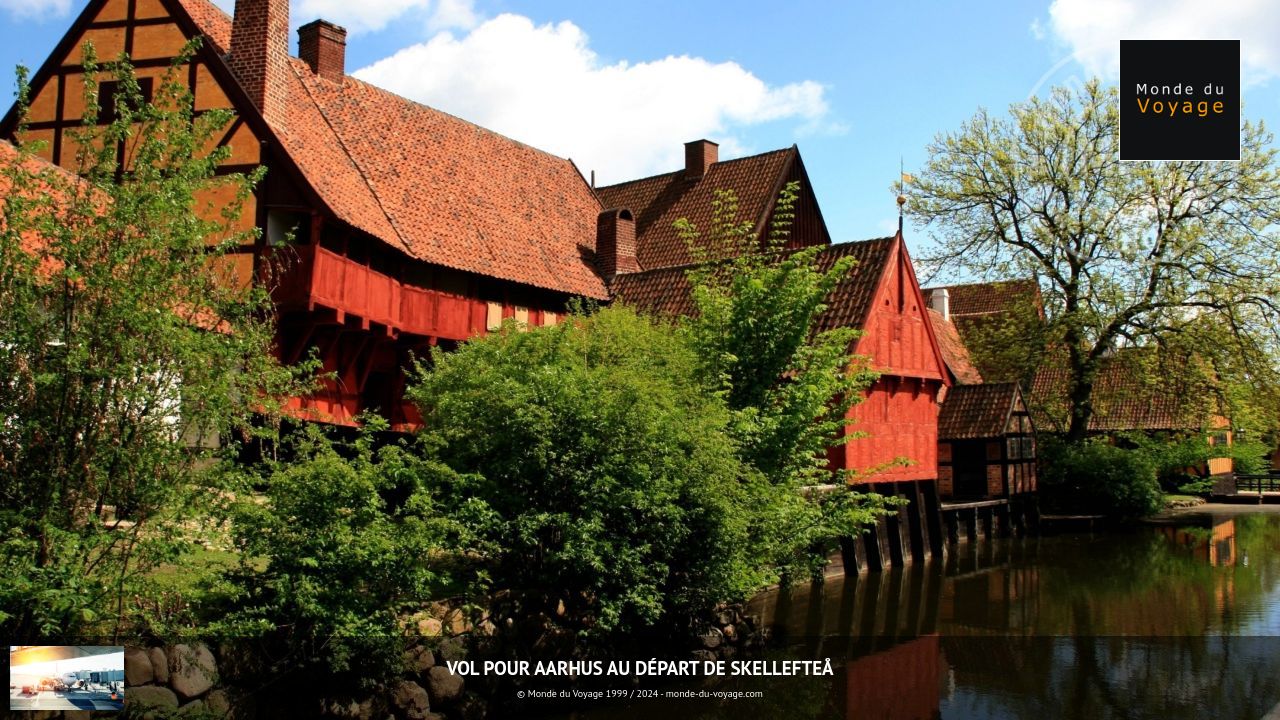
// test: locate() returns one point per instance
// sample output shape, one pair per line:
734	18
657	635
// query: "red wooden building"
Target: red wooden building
403	227
881	296
410	227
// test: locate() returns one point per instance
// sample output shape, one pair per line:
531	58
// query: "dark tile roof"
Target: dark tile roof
666	291
1124	399
954	352
660	200
850	302
439	188
972	412
987	298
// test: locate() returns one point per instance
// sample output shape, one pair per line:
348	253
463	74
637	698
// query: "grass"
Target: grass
1173	501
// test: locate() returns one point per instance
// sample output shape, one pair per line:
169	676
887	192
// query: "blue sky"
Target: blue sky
858	86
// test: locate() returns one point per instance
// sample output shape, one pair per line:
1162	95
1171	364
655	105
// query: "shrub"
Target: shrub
335	553
1095	477
1251	457
593	469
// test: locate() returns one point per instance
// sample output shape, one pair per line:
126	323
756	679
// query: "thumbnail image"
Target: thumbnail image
66	677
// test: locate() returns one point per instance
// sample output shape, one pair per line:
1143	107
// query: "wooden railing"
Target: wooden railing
314	276
1259	483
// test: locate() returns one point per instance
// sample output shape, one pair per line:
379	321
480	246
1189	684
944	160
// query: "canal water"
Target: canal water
1172	621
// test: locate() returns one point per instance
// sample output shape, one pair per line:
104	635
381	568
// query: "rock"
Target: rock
411	700
150	696
192	669
159	664
195	707
218	702
704	655
712	639
419	659
444	685
137	667
75	715
344	708
452	649
430	627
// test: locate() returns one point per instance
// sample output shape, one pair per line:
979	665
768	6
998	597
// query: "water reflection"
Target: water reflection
1166	622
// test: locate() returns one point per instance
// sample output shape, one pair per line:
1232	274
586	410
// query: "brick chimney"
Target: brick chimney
323	46
699	155
616	243
260	55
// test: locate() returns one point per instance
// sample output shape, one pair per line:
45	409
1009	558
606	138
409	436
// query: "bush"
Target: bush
594	470
1098	478
335	554
1251	457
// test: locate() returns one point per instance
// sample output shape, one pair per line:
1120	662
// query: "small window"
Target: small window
107	92
285	227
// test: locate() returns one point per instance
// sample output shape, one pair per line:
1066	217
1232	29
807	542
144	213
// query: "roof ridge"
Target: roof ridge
847	243
354	163
1008	281
677	172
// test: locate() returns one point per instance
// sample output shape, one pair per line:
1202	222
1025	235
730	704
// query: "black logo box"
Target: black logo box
1185	69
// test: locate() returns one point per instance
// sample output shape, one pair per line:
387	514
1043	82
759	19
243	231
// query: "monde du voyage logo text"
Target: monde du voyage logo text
1179	99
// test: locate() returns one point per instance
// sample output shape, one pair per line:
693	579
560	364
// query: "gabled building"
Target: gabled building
881	296
986	443
398	226
389	227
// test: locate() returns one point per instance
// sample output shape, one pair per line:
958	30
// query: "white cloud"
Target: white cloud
1092	29
453	14
35	9
545	86
1037	29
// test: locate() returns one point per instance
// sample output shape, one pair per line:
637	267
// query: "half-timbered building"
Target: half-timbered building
402	227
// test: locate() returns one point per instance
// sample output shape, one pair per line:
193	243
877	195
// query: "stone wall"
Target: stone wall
181	678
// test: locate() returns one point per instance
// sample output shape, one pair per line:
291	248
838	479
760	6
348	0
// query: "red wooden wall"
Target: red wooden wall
899	413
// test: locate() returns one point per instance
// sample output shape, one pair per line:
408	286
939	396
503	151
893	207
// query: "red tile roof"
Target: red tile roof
666	291
660	200
440	189
212	21
954	352
48	186
987	298
1124	399
973	412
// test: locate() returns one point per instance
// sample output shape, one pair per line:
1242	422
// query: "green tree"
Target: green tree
124	355
593	470
1127	252
342	545
788	384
